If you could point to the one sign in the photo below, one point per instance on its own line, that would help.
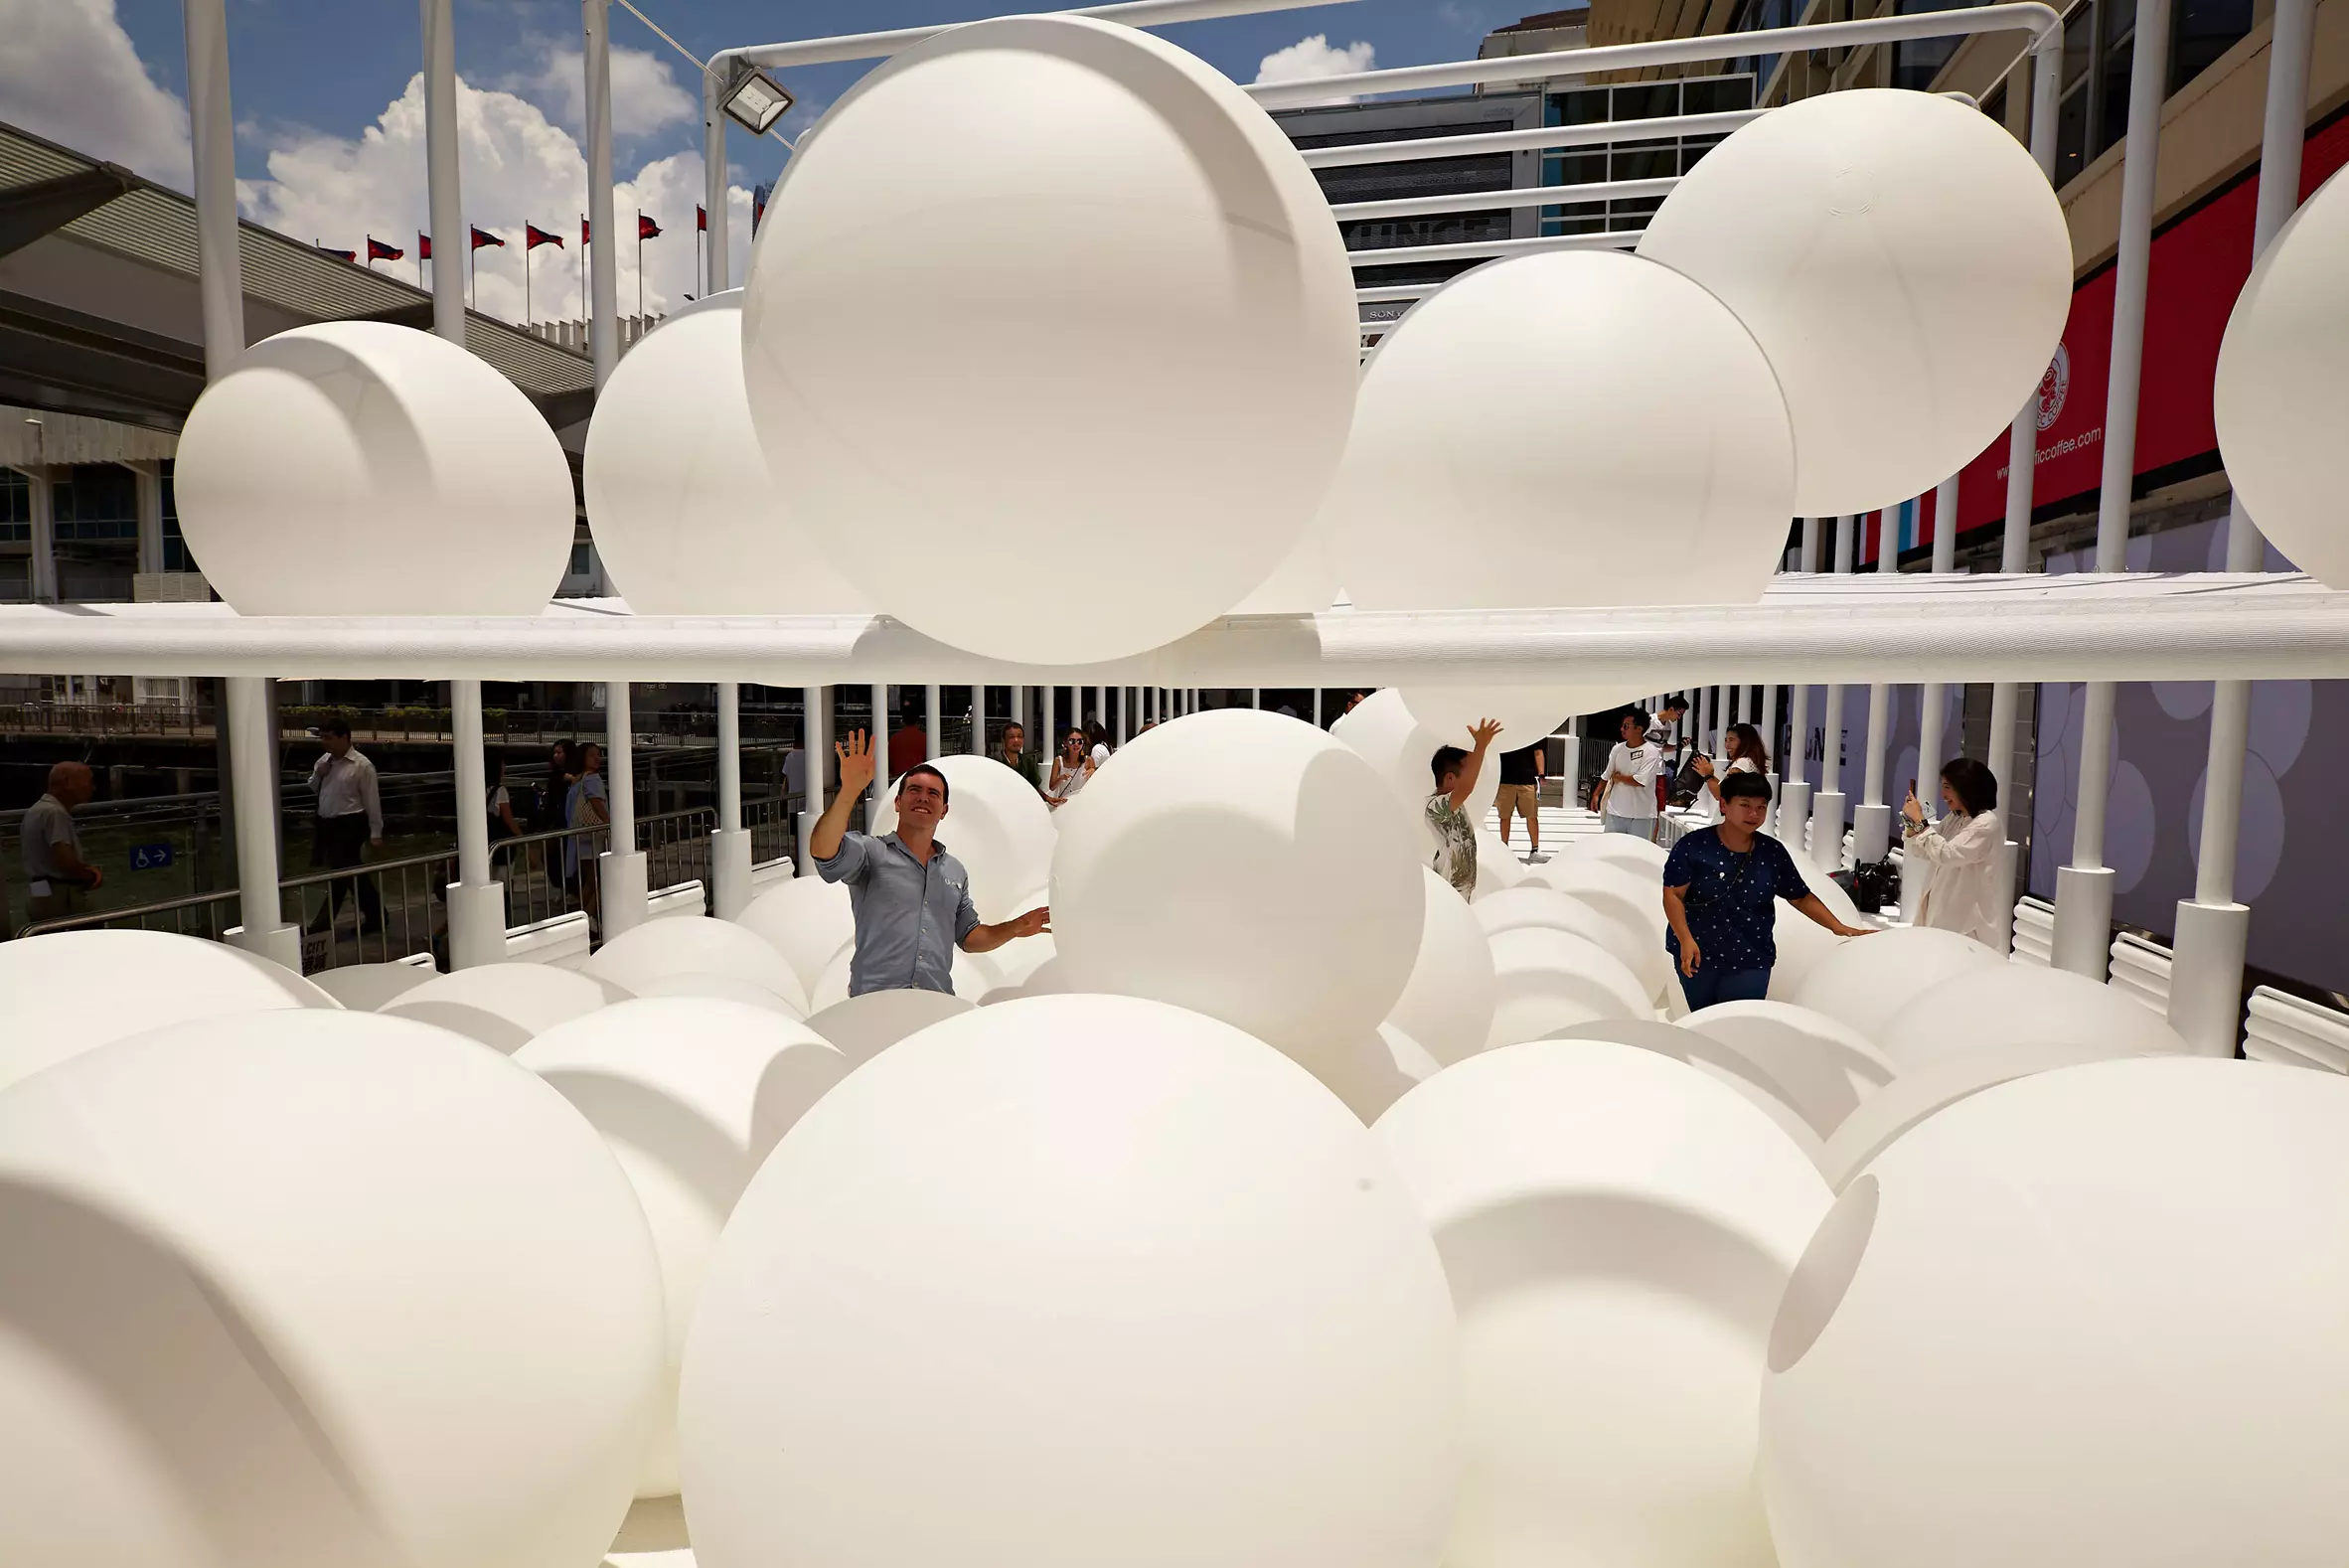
(150, 856)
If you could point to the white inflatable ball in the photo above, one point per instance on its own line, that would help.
(1016, 963)
(1632, 904)
(1304, 583)
(971, 975)
(1820, 1066)
(1801, 944)
(861, 1028)
(687, 518)
(724, 988)
(691, 1093)
(1527, 713)
(1498, 867)
(1712, 1058)
(1638, 856)
(2111, 1299)
(1382, 731)
(1447, 1003)
(806, 919)
(1546, 979)
(311, 1287)
(1925, 1091)
(1131, 372)
(1374, 1073)
(1234, 1276)
(2025, 1001)
(358, 468)
(1615, 1228)
(367, 987)
(1535, 903)
(1681, 452)
(694, 945)
(2281, 393)
(71, 990)
(997, 826)
(504, 1005)
(1867, 981)
(1246, 867)
(1894, 241)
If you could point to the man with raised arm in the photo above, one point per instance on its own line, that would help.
(911, 899)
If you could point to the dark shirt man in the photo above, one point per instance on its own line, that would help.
(1521, 794)
(1721, 885)
(1014, 754)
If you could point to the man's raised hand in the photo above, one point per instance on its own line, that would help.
(855, 763)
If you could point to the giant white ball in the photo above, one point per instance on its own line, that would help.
(687, 518)
(1447, 1002)
(358, 468)
(1818, 1066)
(2095, 1315)
(691, 1093)
(861, 1028)
(996, 825)
(309, 1288)
(1526, 713)
(1628, 900)
(695, 944)
(1546, 979)
(1615, 1228)
(2024, 1001)
(1904, 265)
(1094, 1279)
(70, 991)
(806, 919)
(1865, 982)
(2281, 393)
(1116, 392)
(1553, 484)
(368, 988)
(1247, 866)
(504, 1005)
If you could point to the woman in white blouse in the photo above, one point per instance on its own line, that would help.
(1962, 851)
(1742, 752)
(1070, 769)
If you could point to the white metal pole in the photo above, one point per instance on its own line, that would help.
(444, 195)
(933, 727)
(1871, 821)
(816, 756)
(1826, 807)
(624, 890)
(603, 322)
(713, 175)
(1931, 701)
(730, 859)
(2213, 930)
(220, 272)
(978, 740)
(1769, 741)
(2084, 890)
(1047, 740)
(879, 740)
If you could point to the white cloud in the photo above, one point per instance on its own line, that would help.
(1312, 58)
(69, 71)
(516, 166)
(646, 94)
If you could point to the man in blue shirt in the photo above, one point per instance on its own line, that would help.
(1720, 887)
(911, 899)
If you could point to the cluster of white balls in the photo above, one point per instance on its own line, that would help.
(1297, 1212)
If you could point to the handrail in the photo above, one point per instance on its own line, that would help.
(877, 46)
(1523, 195)
(2028, 16)
(1595, 133)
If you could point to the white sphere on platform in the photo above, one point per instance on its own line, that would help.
(1246, 867)
(1557, 485)
(1821, 1067)
(1119, 392)
(721, 987)
(1716, 1061)
(687, 518)
(312, 1287)
(70, 991)
(1868, 979)
(1304, 583)
(806, 919)
(2281, 393)
(358, 468)
(2024, 1001)
(1624, 851)
(996, 825)
(1498, 867)
(1803, 945)
(1546, 979)
(1898, 241)
(690, 1093)
(1527, 713)
(970, 976)
(1401, 750)
(911, 1303)
(1536, 903)
(1375, 1072)
(861, 1028)
(370, 987)
(2091, 1316)
(1615, 1228)
(1628, 900)
(1016, 963)
(694, 945)
(1447, 1003)
(502, 1005)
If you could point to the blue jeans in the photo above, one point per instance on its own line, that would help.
(1711, 984)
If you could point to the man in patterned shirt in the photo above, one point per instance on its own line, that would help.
(1446, 813)
(1720, 887)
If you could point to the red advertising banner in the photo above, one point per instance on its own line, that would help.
(2200, 263)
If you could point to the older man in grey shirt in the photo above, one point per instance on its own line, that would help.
(54, 872)
(912, 900)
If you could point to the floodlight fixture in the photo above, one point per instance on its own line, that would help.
(755, 100)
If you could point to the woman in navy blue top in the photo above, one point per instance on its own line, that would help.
(1720, 891)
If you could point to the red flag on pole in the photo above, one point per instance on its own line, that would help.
(534, 236)
(701, 219)
(423, 246)
(646, 228)
(340, 255)
(582, 233)
(482, 237)
(377, 251)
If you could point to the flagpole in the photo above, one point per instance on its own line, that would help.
(640, 270)
(582, 269)
(526, 279)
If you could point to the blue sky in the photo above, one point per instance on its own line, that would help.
(330, 125)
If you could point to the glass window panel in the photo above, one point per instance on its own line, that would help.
(2113, 107)
(2079, 43)
(1584, 107)
(1582, 168)
(1696, 147)
(2119, 19)
(1715, 94)
(1645, 165)
(2071, 136)
(1646, 100)
(1632, 214)
(1574, 218)
(2204, 30)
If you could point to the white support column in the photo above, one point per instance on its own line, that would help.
(41, 489)
(444, 203)
(147, 481)
(816, 743)
(1047, 739)
(716, 262)
(603, 243)
(252, 753)
(731, 856)
(1256, 697)
(932, 723)
(1793, 805)
(1871, 821)
(2213, 930)
(878, 791)
(1931, 701)
(476, 900)
(978, 745)
(622, 879)
(1826, 807)
(2084, 890)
